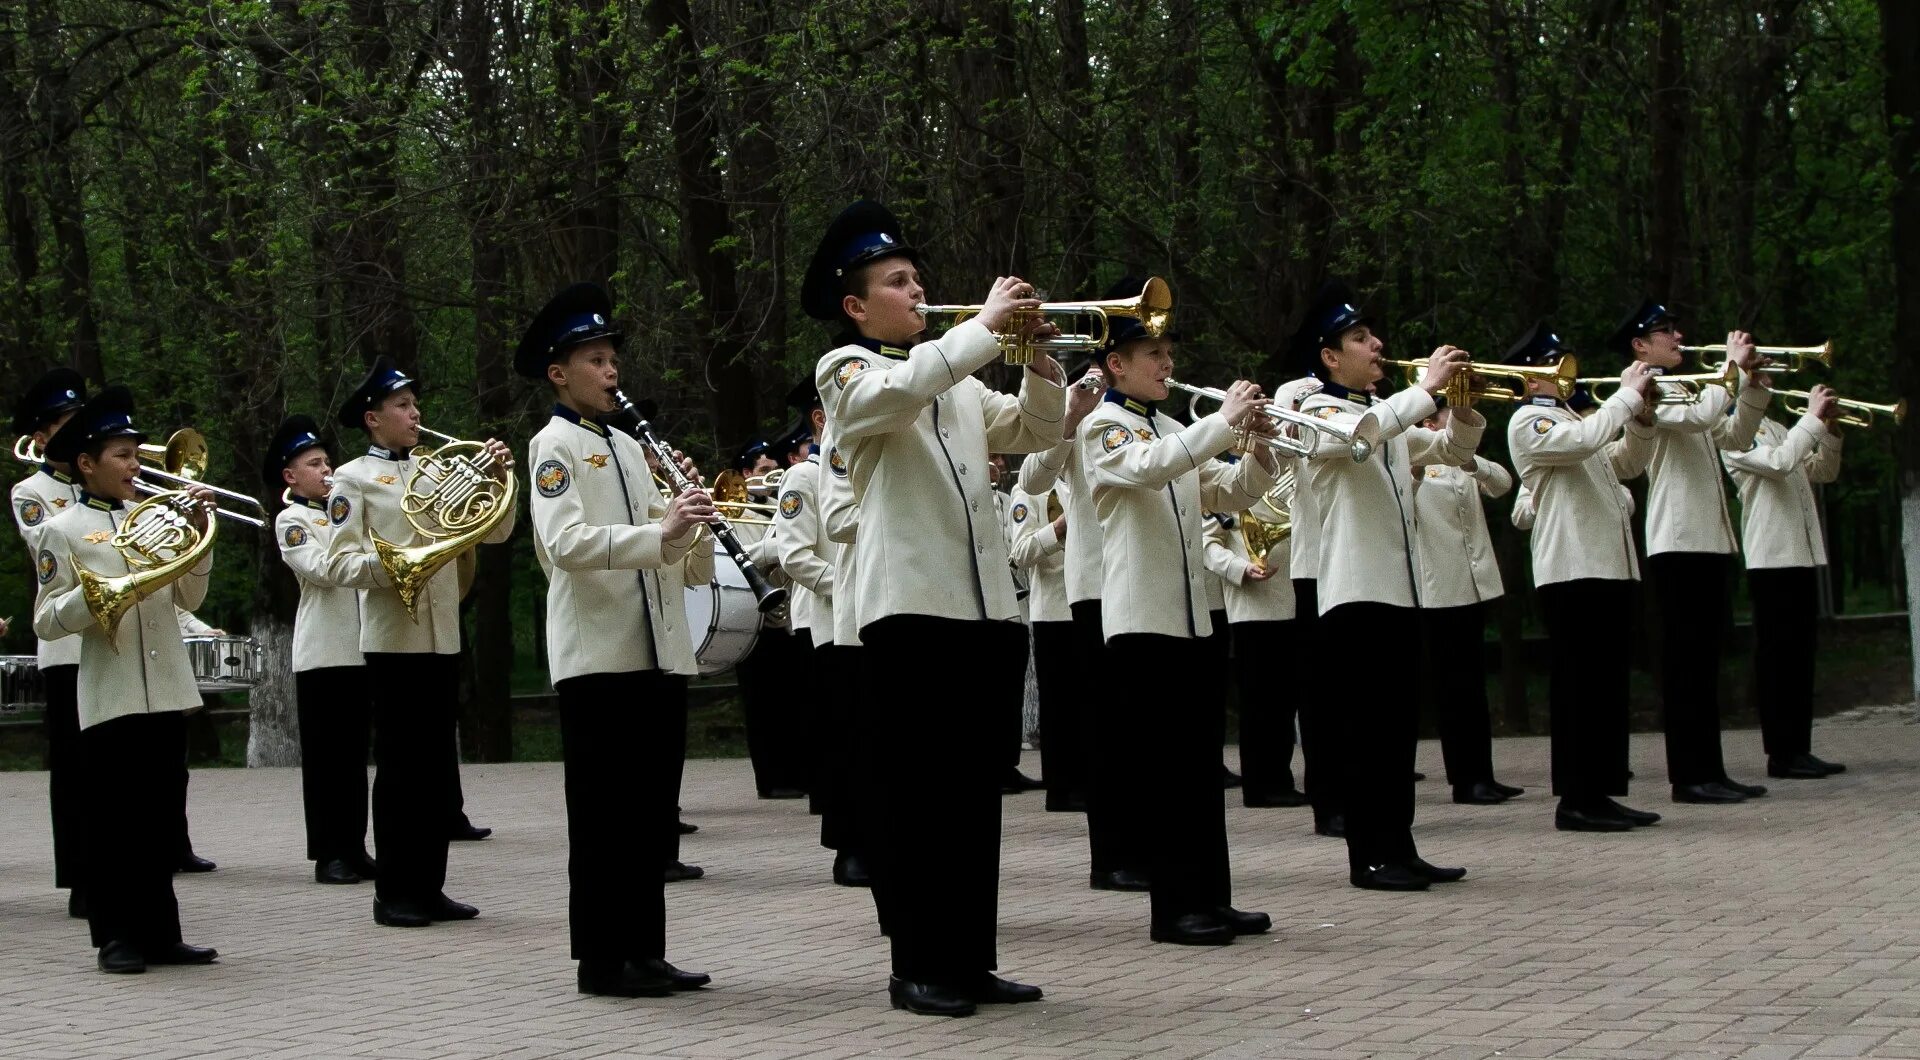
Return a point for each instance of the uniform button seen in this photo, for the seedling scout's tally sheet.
(980, 548)
(944, 434)
(963, 469)
(975, 505)
(153, 654)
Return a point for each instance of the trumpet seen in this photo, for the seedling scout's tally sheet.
(1684, 391)
(28, 453)
(1897, 412)
(454, 500)
(1797, 357)
(159, 543)
(1470, 386)
(1083, 325)
(1283, 444)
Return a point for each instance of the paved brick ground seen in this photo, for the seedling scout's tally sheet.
(1783, 928)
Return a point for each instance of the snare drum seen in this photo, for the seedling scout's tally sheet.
(226, 663)
(22, 691)
(723, 615)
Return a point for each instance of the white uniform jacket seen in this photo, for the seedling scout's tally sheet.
(915, 429)
(1686, 495)
(36, 500)
(1041, 553)
(1366, 512)
(150, 672)
(1226, 556)
(616, 588)
(1304, 542)
(326, 628)
(1582, 518)
(1779, 514)
(805, 551)
(762, 546)
(1151, 478)
(1457, 564)
(1062, 469)
(841, 517)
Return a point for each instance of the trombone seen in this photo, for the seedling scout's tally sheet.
(1281, 443)
(1797, 357)
(1497, 382)
(733, 493)
(183, 467)
(1897, 412)
(1083, 325)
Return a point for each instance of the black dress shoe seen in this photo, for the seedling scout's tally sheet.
(1831, 767)
(1508, 790)
(679, 980)
(1593, 818)
(1016, 782)
(1243, 923)
(1228, 778)
(1751, 791)
(1287, 797)
(191, 862)
(118, 957)
(1706, 794)
(850, 870)
(1388, 878)
(617, 978)
(466, 832)
(400, 914)
(1119, 880)
(1636, 818)
(783, 793)
(1435, 873)
(686, 828)
(1334, 827)
(677, 871)
(990, 989)
(440, 907)
(1418, 776)
(364, 866)
(1193, 929)
(181, 953)
(1794, 768)
(928, 999)
(1480, 794)
(1070, 803)
(334, 870)
(77, 904)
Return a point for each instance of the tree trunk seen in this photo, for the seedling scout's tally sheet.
(54, 118)
(1074, 277)
(1900, 36)
(378, 311)
(1670, 252)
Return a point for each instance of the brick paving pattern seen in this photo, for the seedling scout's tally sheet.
(1787, 927)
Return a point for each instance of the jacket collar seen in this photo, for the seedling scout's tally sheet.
(101, 504)
(55, 473)
(883, 349)
(1358, 397)
(318, 506)
(1545, 401)
(381, 452)
(1133, 405)
(562, 412)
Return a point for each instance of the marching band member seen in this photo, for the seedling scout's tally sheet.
(614, 552)
(133, 689)
(1367, 579)
(412, 663)
(1584, 568)
(1690, 542)
(1012, 780)
(49, 491)
(329, 672)
(1150, 479)
(1784, 544)
(1265, 645)
(776, 737)
(1458, 576)
(1038, 548)
(915, 430)
(185, 860)
(1320, 765)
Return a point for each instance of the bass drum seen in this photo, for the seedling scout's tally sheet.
(723, 616)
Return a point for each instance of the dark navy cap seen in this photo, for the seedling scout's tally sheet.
(1334, 310)
(794, 437)
(108, 414)
(749, 453)
(384, 379)
(55, 392)
(580, 313)
(1539, 346)
(863, 233)
(804, 397)
(1637, 325)
(1581, 399)
(296, 435)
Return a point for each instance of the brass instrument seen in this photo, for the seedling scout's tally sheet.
(286, 495)
(1262, 535)
(1497, 382)
(1797, 357)
(1054, 511)
(25, 451)
(452, 498)
(1153, 307)
(160, 544)
(183, 462)
(1684, 391)
(1283, 444)
(28, 453)
(733, 492)
(1897, 412)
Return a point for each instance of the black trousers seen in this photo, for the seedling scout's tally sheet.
(1379, 731)
(1062, 687)
(133, 766)
(1114, 728)
(66, 775)
(1320, 732)
(618, 750)
(1456, 654)
(842, 787)
(777, 739)
(673, 697)
(416, 771)
(1784, 600)
(1186, 824)
(1265, 665)
(1692, 591)
(936, 751)
(1590, 631)
(336, 726)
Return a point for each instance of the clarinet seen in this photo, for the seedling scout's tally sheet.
(769, 596)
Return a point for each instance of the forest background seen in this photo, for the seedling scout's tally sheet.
(233, 205)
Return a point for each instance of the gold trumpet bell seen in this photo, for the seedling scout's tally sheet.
(453, 499)
(159, 545)
(1509, 381)
(1083, 325)
(733, 494)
